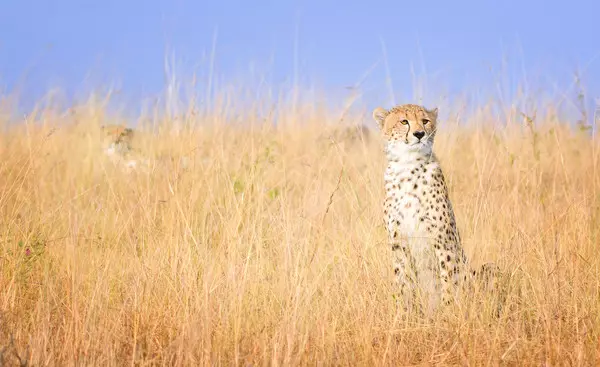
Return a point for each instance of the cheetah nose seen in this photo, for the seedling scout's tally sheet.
(419, 134)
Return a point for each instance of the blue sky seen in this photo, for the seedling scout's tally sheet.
(449, 46)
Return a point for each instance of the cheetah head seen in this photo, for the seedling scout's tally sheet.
(407, 128)
(117, 139)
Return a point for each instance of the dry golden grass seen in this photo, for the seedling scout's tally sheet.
(269, 250)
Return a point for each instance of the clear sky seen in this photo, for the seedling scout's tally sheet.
(447, 45)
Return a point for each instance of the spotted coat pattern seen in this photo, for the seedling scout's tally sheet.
(428, 260)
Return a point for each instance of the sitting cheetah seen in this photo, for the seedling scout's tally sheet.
(429, 262)
(117, 142)
(117, 139)
(119, 146)
(351, 134)
(346, 136)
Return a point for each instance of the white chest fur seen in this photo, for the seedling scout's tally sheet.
(407, 185)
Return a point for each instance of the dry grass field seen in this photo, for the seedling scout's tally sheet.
(267, 246)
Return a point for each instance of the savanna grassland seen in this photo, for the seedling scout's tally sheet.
(244, 242)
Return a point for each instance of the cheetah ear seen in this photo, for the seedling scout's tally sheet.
(379, 114)
(434, 113)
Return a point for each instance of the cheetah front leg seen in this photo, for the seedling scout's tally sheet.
(452, 275)
(404, 273)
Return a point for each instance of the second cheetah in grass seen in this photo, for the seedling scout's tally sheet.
(123, 146)
(430, 265)
(117, 142)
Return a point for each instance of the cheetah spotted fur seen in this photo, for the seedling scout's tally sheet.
(429, 263)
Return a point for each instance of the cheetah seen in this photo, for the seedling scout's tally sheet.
(351, 134)
(346, 136)
(117, 139)
(118, 144)
(430, 265)
(119, 147)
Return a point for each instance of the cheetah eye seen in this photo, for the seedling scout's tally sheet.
(404, 122)
(425, 121)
